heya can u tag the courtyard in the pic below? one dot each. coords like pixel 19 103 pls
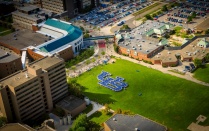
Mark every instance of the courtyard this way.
pixel 169 100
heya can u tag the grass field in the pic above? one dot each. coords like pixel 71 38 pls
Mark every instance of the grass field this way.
pixel 166 99
pixel 4 29
pixel 202 74
pixel 100 117
pixel 146 8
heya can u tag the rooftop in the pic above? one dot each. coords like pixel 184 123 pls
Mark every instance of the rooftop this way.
pixel 120 122
pixel 17 79
pixel 23 38
pixel 33 13
pixel 6 56
pixel 28 8
pixel 16 127
pixel 73 33
pixel 137 39
pixel 46 62
pixel 70 103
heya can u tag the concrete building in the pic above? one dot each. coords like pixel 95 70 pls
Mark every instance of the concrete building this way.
pixel 61 6
pixel 9 63
pixel 29 93
pixel 29 15
pixel 120 122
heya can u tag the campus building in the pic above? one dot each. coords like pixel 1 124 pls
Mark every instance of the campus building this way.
pixel 30 93
pixel 9 63
pixel 52 37
pixel 67 42
pixel 142 43
pixel 121 122
pixel 29 15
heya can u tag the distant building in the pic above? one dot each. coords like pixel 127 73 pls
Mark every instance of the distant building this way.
pixel 203 43
pixel 28 94
pixel 29 15
pixel 120 122
pixel 6 7
pixel 61 6
pixel 9 63
pixel 70 7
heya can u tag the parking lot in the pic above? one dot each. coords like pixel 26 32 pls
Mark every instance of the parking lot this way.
pixel 178 15
pixel 101 17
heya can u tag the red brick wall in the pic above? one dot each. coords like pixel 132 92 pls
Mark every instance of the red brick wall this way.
pixel 34 28
pixel 34 55
pixel 11 48
pixel 67 54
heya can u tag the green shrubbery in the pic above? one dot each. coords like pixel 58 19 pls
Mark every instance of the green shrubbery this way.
pixel 149 62
pixel 84 54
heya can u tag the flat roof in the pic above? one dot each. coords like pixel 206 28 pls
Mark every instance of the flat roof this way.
pixel 7 56
pixel 25 38
pixel 192 50
pixel 16 127
pixel 70 103
pixel 17 79
pixel 137 39
pixel 46 62
pixel 28 8
pixel 121 122
pixel 73 34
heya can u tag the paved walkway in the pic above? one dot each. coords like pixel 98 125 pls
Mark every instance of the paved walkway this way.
pixel 96 107
pixel 187 76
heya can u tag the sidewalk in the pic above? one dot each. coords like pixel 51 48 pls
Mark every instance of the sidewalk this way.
pixel 96 107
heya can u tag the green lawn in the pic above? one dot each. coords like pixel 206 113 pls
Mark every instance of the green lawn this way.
pixel 146 8
pixel 99 117
pixel 166 99
pixel 202 74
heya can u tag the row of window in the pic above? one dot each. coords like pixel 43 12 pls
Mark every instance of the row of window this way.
pixel 30 107
pixel 20 88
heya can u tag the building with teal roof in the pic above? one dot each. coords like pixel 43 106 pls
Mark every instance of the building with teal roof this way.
pixel 66 35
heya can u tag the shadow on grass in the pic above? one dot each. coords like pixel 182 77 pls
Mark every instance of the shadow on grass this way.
pixel 100 98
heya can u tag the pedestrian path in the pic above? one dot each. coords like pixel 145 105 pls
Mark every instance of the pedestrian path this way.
pixel 96 107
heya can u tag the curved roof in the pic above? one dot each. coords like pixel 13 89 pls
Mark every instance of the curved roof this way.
pixel 73 34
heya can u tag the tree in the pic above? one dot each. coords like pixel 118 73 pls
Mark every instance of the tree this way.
pixel 207 31
pixel 125 27
pixel 2 121
pixel 81 27
pixel 189 18
pixel 148 16
pixel 154 14
pixel 107 109
pixel 86 35
pixel 164 8
pixel 73 68
pixel 197 62
pixel 207 57
pixel 103 53
pixel 82 123
pixel 194 14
